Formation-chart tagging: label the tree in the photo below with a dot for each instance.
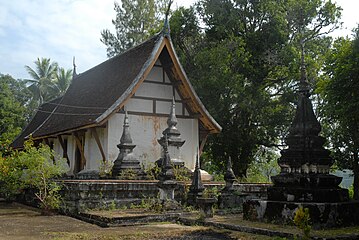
(42, 83)
(13, 98)
(249, 57)
(235, 63)
(186, 35)
(48, 80)
(340, 111)
(63, 80)
(135, 22)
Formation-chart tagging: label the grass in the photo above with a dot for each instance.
(237, 219)
(20, 222)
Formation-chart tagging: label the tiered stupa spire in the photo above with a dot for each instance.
(175, 141)
(229, 176)
(196, 189)
(305, 164)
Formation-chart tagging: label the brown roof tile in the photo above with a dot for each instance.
(41, 115)
(94, 91)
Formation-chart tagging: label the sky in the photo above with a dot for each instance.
(62, 29)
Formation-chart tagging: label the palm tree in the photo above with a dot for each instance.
(63, 80)
(42, 84)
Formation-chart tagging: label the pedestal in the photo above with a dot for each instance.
(231, 200)
(206, 206)
(322, 215)
(167, 189)
(167, 195)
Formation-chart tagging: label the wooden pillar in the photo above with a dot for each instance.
(47, 142)
(64, 149)
(80, 146)
(94, 133)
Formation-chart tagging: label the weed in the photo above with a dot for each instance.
(105, 168)
(127, 174)
(302, 221)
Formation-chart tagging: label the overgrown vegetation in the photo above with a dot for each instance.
(105, 169)
(34, 167)
(152, 170)
(181, 174)
(127, 174)
(302, 221)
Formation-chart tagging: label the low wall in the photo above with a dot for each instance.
(80, 195)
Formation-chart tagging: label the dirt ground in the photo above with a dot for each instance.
(21, 222)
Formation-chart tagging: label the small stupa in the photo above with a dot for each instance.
(126, 162)
(167, 182)
(174, 139)
(196, 189)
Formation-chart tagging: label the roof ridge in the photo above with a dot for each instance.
(157, 35)
(124, 95)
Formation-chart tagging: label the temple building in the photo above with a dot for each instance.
(85, 124)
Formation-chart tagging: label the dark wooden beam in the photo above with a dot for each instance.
(47, 142)
(202, 143)
(94, 133)
(64, 148)
(81, 148)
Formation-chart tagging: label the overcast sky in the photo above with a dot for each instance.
(61, 29)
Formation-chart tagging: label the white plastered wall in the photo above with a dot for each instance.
(145, 130)
(92, 152)
(70, 150)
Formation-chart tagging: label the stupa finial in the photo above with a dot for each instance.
(303, 83)
(172, 119)
(126, 136)
(197, 167)
(74, 74)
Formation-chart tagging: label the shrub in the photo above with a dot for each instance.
(36, 168)
(10, 176)
(105, 169)
(152, 170)
(302, 221)
(127, 174)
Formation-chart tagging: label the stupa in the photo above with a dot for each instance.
(127, 162)
(174, 139)
(305, 179)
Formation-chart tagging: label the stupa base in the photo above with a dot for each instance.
(322, 215)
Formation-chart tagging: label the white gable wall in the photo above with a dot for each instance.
(145, 130)
(148, 111)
